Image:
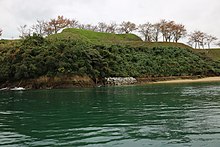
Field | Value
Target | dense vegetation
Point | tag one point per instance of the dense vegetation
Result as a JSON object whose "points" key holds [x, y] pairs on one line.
{"points": [[60, 55]]}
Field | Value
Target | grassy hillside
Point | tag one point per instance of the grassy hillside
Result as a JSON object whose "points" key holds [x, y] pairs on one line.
{"points": [[93, 37], [98, 38], [214, 54], [155, 44], [98, 55]]}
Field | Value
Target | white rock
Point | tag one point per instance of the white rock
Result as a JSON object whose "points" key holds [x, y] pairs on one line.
{"points": [[120, 80], [17, 88]]}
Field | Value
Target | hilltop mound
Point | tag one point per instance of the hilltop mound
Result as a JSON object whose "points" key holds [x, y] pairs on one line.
{"points": [[94, 37], [98, 38]]}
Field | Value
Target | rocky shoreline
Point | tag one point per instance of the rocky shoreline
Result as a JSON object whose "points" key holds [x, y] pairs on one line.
{"points": [[84, 81], [67, 82]]}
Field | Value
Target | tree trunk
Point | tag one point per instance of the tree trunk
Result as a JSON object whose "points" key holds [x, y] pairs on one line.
{"points": [[55, 29], [145, 38], [156, 38], [176, 40]]}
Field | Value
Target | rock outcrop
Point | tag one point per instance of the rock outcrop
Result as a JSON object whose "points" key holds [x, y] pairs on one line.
{"points": [[120, 80]]}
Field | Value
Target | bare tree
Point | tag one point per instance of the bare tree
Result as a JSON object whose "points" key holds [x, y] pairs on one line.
{"points": [[102, 27], [48, 29], [74, 23], [202, 39], [162, 25], [90, 27], [210, 39], [171, 31], [192, 39], [39, 27], [197, 38], [156, 32], [24, 31], [112, 27], [82, 26], [167, 30], [59, 23], [127, 27], [146, 30], [179, 31]]}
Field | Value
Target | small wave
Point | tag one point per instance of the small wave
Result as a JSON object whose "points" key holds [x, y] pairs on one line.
{"points": [[201, 91], [10, 112]]}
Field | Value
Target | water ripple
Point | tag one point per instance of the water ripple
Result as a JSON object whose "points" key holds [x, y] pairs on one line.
{"points": [[174, 115]]}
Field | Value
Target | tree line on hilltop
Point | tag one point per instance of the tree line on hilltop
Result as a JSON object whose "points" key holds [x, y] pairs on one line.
{"points": [[169, 31]]}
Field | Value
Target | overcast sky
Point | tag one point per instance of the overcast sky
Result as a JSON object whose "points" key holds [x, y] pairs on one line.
{"points": [[201, 15]]}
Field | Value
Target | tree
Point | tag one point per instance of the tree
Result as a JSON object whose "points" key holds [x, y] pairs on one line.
{"points": [[90, 27], [197, 38], [39, 27], [102, 27], [59, 23], [156, 31], [202, 37], [162, 25], [146, 30], [82, 26], [48, 29], [24, 31], [111, 28], [74, 23], [178, 31], [171, 31], [210, 39], [167, 28], [127, 27]]}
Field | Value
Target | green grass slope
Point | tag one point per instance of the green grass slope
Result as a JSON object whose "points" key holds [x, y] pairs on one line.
{"points": [[93, 37], [214, 54], [155, 44], [98, 38]]}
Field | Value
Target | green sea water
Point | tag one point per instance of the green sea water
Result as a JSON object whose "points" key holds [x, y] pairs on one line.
{"points": [[130, 116]]}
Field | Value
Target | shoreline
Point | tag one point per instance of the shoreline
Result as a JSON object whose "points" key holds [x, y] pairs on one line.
{"points": [[199, 80], [80, 82]]}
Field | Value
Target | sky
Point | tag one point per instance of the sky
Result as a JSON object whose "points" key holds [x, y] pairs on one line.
{"points": [[203, 15]]}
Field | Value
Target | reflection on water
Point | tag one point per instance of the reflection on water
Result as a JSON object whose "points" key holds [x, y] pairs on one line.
{"points": [[152, 115], [209, 91]]}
